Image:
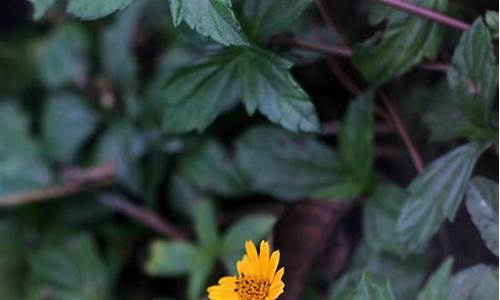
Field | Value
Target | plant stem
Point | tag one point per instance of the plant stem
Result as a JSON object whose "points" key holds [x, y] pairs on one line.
{"points": [[143, 215], [427, 13], [398, 124]]}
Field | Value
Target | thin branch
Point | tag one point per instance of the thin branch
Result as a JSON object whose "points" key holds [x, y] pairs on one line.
{"points": [[329, 21], [344, 51], [143, 215], [396, 121], [98, 176], [427, 13]]}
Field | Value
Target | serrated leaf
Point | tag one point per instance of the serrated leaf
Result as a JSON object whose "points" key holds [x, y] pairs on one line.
{"points": [[252, 227], [269, 87], [435, 195], [208, 167], [291, 166], [261, 21], [91, 10], [67, 122], [70, 269], [406, 41], [41, 7], [205, 223], [436, 287], [211, 18], [380, 216], [197, 94], [63, 58], [482, 204], [356, 138], [478, 282], [22, 164], [368, 290], [473, 74], [170, 258]]}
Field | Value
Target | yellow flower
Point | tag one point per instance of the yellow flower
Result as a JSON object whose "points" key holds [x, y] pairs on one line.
{"points": [[257, 279]]}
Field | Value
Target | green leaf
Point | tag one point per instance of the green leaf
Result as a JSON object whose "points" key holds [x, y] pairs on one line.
{"points": [[22, 165], [491, 20], [197, 94], [473, 74], [368, 290], [436, 287], [70, 269], [67, 122], [482, 204], [406, 41], [269, 87], [252, 227], [291, 166], [211, 18], [116, 51], [123, 144], [380, 216], [260, 16], [205, 223], [63, 58], [91, 10], [478, 282], [435, 195], [209, 168], [170, 258], [41, 7], [197, 280], [356, 138]]}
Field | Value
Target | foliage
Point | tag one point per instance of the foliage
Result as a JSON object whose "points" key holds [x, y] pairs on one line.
{"points": [[142, 142]]}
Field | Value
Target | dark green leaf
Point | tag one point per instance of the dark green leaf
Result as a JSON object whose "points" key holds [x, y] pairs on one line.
{"points": [[252, 227], [291, 166], [473, 74], [209, 168], [67, 122], [269, 87], [261, 21], [478, 282], [436, 287], [21, 163], [64, 57], [482, 204], [71, 269], [41, 7], [123, 144], [356, 139], [212, 18], [197, 94], [205, 223], [90, 10], [491, 20], [406, 41], [11, 260], [435, 195], [380, 216], [368, 290], [116, 46], [170, 258]]}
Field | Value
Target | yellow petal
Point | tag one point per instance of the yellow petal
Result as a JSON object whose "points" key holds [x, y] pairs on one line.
{"points": [[264, 259]]}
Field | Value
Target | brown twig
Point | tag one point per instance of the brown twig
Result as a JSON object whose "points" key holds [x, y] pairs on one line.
{"points": [[427, 13], [142, 215], [90, 178], [398, 124]]}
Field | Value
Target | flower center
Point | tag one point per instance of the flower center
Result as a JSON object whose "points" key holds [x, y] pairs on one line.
{"points": [[249, 288]]}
